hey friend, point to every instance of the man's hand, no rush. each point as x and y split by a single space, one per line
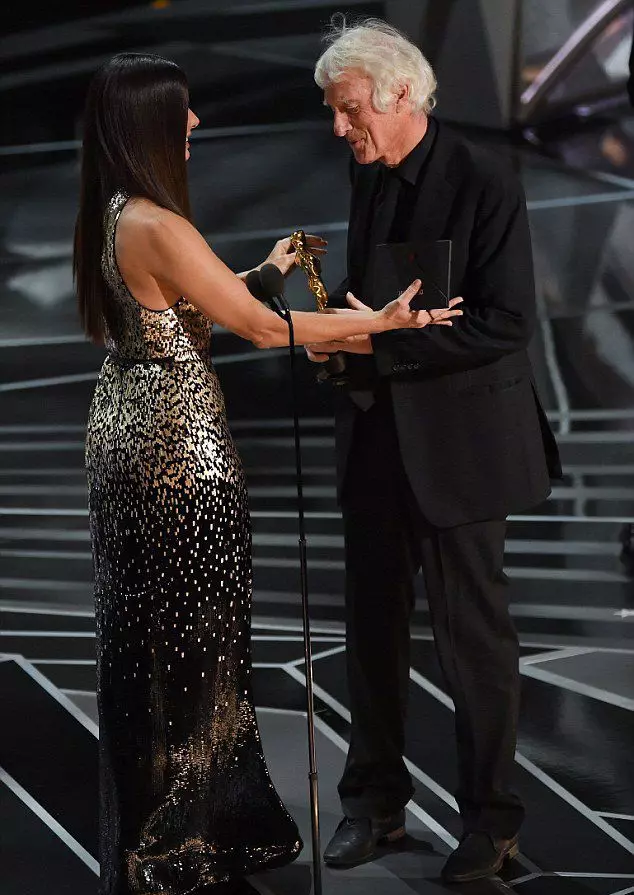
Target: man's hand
438 316
314 356
415 319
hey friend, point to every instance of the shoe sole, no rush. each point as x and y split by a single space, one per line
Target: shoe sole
389 839
513 852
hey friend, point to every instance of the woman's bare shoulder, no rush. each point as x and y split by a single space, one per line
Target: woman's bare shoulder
151 228
142 216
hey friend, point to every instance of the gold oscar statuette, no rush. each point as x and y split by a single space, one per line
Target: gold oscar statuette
334 368
309 263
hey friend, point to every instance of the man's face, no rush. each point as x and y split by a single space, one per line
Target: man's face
372 135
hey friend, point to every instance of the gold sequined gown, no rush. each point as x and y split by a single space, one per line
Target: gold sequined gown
186 801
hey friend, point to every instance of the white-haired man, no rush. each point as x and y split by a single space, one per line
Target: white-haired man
439 436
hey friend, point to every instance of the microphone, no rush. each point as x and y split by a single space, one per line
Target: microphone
268 293
254 285
272 282
267 285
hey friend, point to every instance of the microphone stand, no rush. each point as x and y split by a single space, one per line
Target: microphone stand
285 313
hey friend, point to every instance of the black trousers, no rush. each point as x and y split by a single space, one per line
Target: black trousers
387 542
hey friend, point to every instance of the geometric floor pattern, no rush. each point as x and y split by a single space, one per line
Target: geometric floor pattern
572 840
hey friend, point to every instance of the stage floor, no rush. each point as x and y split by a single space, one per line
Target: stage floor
573 763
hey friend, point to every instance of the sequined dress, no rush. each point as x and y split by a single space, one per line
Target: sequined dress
185 797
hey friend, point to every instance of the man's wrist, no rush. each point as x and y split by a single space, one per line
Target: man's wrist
382 323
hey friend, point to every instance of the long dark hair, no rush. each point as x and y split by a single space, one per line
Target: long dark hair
134 140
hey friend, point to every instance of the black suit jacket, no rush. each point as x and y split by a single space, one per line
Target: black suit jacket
474 439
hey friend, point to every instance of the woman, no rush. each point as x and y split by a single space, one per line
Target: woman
187 805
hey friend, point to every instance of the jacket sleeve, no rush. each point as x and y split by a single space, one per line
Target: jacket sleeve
499 295
337 298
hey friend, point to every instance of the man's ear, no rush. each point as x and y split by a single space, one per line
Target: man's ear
402 97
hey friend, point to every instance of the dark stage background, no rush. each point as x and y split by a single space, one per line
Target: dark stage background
541 81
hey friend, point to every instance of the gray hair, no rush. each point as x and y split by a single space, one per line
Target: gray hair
385 55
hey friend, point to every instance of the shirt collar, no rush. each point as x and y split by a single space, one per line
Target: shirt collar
411 166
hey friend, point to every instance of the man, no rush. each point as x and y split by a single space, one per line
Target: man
439 436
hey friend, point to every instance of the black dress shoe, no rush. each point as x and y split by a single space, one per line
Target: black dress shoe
478 855
356 839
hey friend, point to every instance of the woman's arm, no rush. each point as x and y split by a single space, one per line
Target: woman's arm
177 256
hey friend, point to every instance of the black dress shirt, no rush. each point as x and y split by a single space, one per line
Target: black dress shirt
392 209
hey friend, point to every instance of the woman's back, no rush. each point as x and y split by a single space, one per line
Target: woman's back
181 331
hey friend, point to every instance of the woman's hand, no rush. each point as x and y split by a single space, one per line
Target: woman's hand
321 351
283 255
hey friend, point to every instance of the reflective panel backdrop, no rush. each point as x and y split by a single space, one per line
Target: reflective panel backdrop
550 99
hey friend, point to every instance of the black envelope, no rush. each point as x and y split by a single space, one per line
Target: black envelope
398 264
